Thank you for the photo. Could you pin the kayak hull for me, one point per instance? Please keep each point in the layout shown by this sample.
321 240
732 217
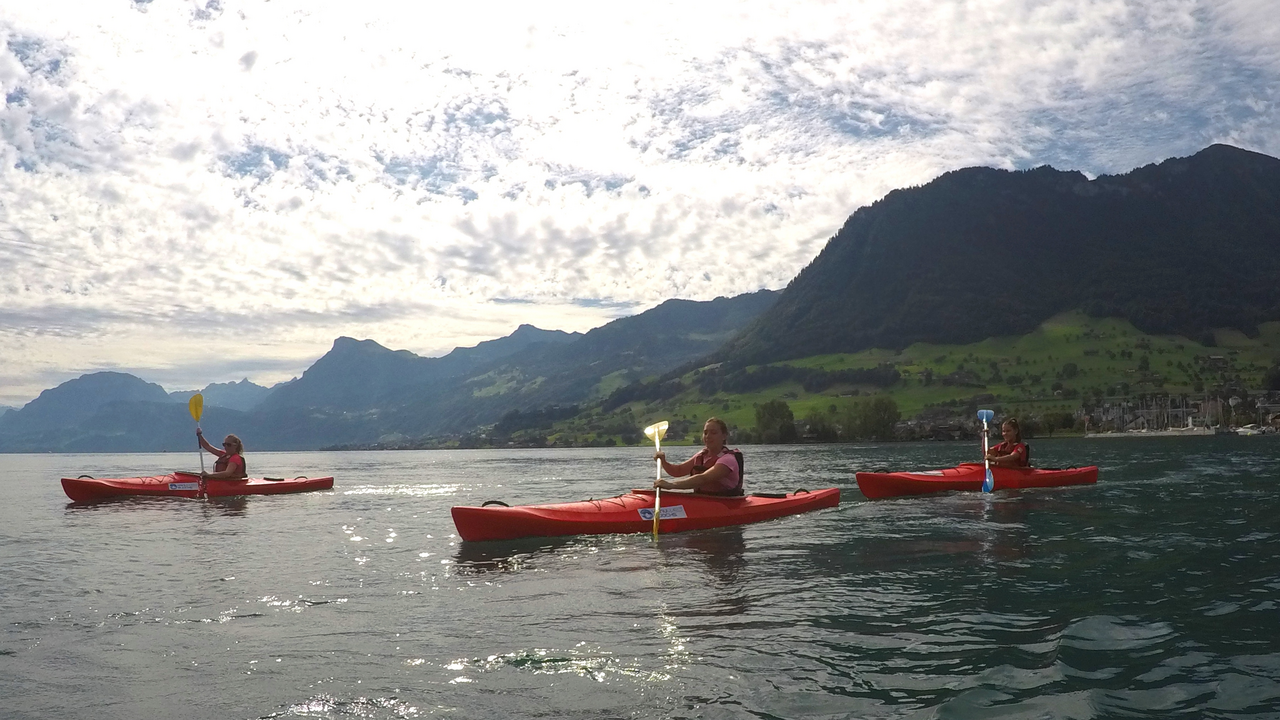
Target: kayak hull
627 514
969 477
187 485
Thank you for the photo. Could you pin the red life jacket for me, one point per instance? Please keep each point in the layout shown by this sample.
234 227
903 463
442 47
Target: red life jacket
1005 448
699 468
221 464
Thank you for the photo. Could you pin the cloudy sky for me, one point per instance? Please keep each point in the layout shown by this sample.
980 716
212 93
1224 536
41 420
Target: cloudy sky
203 191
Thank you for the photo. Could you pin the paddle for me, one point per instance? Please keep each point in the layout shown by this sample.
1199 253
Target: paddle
657 431
196 407
989 483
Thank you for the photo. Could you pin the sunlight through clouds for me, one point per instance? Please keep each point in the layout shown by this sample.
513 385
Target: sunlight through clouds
267 176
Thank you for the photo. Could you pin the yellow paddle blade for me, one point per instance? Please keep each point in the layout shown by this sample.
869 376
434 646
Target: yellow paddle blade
196 406
656 431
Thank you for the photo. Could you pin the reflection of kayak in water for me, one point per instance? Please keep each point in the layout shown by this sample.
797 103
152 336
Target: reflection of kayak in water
633 513
182 484
969 476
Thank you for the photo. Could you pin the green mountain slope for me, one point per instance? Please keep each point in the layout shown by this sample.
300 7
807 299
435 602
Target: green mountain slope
1070 361
1180 247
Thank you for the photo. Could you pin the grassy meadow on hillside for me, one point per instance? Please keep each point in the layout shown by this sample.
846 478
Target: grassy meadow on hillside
1069 360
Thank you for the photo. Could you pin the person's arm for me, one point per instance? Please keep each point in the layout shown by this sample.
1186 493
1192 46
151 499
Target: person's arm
680 470
710 477
205 443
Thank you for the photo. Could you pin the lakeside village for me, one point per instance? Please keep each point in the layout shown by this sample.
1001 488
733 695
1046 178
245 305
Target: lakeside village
1235 411
1168 415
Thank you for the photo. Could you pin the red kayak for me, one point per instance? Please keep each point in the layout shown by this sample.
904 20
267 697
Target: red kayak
633 513
182 484
969 476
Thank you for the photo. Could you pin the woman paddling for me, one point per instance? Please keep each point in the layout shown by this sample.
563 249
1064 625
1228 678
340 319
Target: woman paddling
230 463
714 470
1012 452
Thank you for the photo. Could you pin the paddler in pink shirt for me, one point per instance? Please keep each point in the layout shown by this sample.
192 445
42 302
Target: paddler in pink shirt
714 470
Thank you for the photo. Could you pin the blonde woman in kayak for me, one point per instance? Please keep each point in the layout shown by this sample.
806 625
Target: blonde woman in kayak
230 463
714 470
1012 452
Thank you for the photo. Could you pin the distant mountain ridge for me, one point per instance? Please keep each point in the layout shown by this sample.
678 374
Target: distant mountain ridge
361 392
242 395
528 369
1177 247
361 374
77 400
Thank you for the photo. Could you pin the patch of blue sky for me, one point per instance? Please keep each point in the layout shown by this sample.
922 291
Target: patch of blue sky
591 183
52 144
324 169
604 304
258 161
35 55
704 137
212 10
1099 138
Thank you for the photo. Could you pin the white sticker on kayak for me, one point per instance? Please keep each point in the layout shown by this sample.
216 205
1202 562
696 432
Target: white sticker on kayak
675 511
195 486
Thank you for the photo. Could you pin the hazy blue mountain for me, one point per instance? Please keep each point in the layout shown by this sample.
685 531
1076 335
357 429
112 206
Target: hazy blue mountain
131 426
623 351
243 395
1178 247
76 400
361 375
524 337
570 369
341 395
6 408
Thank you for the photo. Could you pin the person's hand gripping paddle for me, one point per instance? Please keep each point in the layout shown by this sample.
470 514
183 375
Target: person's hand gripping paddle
988 483
657 431
196 406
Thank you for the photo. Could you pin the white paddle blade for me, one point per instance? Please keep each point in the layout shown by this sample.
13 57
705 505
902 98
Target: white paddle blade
657 430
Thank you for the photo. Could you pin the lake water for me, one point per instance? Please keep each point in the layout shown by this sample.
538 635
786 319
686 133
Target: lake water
1151 594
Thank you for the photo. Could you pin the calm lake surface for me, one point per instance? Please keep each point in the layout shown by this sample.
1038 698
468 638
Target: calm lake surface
1152 594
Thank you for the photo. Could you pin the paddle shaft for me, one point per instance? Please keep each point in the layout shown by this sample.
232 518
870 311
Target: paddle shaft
988 483
657 491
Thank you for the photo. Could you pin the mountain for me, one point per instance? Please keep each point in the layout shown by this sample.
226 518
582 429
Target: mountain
1179 247
358 375
362 392
77 400
401 394
243 395
625 350
6 408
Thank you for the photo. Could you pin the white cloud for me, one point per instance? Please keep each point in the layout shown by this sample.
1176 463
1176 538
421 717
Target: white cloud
266 176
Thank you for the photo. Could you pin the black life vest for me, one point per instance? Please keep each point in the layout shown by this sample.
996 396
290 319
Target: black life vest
733 491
